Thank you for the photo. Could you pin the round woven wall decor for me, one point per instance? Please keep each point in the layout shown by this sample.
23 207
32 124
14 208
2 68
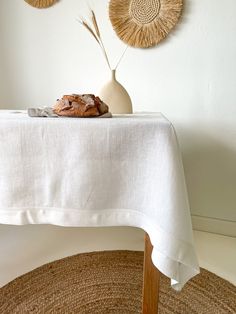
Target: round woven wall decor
144 23
41 3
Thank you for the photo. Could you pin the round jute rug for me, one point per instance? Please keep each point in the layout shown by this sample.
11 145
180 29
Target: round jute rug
109 282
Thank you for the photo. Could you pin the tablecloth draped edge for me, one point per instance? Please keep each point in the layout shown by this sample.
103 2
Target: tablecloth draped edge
105 218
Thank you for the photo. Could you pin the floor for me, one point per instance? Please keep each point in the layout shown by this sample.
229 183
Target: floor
31 246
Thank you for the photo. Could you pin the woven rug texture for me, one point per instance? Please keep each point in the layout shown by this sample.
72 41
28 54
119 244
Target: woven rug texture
110 282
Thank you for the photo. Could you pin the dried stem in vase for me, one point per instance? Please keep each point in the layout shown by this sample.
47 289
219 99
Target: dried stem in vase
97 36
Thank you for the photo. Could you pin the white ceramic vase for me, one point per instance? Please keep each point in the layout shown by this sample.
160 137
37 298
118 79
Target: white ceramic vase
116 96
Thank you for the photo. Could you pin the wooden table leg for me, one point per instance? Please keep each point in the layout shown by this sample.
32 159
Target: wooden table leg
151 279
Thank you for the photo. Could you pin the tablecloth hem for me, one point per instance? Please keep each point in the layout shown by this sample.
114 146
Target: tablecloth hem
182 268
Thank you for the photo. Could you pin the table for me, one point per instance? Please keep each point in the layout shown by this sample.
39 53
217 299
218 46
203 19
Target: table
123 171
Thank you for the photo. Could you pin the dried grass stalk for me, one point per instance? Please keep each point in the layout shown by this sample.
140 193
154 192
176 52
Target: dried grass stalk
85 24
95 24
96 34
144 23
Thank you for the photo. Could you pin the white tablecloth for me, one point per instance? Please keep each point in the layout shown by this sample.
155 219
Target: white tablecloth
123 171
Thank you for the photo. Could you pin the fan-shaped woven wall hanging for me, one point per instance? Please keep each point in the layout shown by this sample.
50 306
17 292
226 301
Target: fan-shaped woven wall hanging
144 23
41 3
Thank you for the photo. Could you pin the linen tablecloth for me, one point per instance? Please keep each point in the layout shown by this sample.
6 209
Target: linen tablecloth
123 171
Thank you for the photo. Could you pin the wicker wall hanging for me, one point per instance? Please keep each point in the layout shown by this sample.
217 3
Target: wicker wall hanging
144 23
41 3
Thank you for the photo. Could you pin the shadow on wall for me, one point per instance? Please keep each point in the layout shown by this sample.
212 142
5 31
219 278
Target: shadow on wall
210 170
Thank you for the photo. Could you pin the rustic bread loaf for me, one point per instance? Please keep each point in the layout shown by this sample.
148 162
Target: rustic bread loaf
86 105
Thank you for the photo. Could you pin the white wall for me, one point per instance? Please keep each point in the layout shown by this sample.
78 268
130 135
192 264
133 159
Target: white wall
191 78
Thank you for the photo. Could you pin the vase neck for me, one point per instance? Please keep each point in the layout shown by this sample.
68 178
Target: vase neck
113 75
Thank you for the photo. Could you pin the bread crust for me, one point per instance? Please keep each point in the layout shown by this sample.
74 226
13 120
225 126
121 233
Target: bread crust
75 105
